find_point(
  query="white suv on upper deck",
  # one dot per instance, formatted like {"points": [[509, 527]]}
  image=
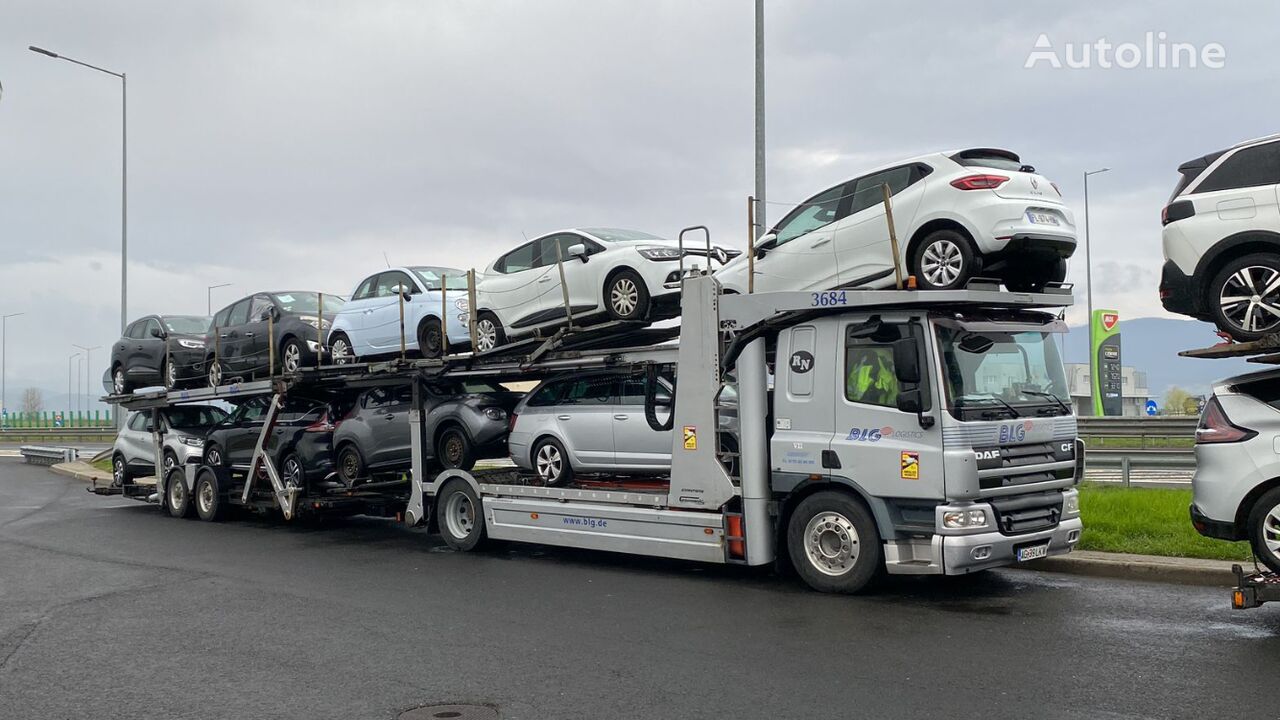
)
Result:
{"points": [[1222, 240], [957, 215]]}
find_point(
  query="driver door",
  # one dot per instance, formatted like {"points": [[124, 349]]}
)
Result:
{"points": [[803, 256]]}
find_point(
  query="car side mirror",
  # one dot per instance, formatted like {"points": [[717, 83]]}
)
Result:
{"points": [[157, 333], [767, 242], [578, 250], [403, 291], [906, 360]]}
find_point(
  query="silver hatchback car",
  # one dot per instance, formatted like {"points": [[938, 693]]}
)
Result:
{"points": [[133, 453], [1237, 481]]}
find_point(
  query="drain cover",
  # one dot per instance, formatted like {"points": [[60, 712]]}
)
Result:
{"points": [[450, 712]]}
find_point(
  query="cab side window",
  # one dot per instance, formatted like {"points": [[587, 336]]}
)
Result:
{"points": [[870, 377]]}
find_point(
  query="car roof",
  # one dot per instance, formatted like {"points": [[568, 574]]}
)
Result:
{"points": [[1268, 374], [936, 156]]}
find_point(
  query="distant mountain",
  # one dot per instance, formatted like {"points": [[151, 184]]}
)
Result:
{"points": [[1152, 344]]}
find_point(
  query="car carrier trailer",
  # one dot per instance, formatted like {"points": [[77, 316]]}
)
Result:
{"points": [[843, 488]]}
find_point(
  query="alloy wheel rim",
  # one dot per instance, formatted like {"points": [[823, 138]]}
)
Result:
{"points": [[215, 374], [460, 515], [1271, 531], [117, 470], [624, 296], [170, 375], [205, 498], [831, 543], [1250, 299], [486, 335], [340, 352], [549, 463], [169, 463], [942, 262], [292, 357], [118, 381], [292, 473], [213, 458], [176, 490]]}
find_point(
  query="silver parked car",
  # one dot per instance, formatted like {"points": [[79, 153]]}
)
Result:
{"points": [[595, 423], [1237, 481], [133, 454]]}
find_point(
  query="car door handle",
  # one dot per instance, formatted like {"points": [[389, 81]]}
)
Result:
{"points": [[389, 416], [248, 334], [223, 336], [621, 417], [563, 417], [821, 242], [545, 278]]}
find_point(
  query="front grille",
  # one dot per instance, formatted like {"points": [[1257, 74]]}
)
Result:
{"points": [[1021, 461], [1020, 514]]}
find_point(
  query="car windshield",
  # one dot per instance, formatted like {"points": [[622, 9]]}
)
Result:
{"points": [[190, 417], [305, 303], [187, 324], [1001, 374], [620, 235], [430, 277], [464, 386]]}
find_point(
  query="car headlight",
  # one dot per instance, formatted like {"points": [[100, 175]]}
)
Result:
{"points": [[315, 322], [494, 413], [659, 253], [191, 344], [190, 441], [462, 304], [964, 519]]}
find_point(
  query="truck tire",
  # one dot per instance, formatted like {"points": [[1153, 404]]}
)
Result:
{"points": [[460, 517], [177, 496], [833, 543], [1264, 529], [208, 496]]}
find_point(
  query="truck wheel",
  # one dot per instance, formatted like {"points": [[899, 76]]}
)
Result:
{"points": [[177, 497], [1242, 298], [833, 543], [460, 517], [944, 260], [1264, 529], [209, 502], [453, 450]]}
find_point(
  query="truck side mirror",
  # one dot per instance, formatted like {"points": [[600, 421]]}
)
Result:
{"points": [[909, 401], [906, 360]]}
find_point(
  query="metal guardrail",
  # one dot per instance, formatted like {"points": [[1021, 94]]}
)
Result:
{"points": [[44, 455], [1129, 459], [1145, 427], [106, 432]]}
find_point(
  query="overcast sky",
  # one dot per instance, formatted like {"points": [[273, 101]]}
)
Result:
{"points": [[288, 145]]}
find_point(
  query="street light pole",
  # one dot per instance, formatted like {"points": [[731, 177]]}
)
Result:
{"points": [[209, 297], [760, 194], [1088, 283], [69, 359], [4, 356], [88, 368]]}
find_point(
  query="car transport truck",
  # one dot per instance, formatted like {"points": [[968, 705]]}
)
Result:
{"points": [[879, 431]]}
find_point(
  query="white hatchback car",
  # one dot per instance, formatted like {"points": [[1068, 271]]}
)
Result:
{"points": [[957, 215], [369, 324], [609, 274], [1222, 240]]}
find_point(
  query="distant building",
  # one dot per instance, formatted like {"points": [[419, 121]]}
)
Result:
{"points": [[1135, 394]]}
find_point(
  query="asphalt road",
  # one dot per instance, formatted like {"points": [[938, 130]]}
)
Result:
{"points": [[109, 609]]}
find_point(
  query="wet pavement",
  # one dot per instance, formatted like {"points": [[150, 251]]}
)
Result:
{"points": [[110, 609]]}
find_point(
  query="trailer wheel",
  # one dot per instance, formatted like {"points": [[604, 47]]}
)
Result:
{"points": [[460, 517], [1264, 529], [209, 502], [177, 497], [833, 543]]}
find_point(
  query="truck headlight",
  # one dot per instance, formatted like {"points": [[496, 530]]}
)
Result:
{"points": [[191, 344], [659, 253], [1070, 504], [189, 441], [497, 414], [968, 519]]}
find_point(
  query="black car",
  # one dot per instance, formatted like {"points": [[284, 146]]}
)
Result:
{"points": [[299, 444], [240, 343], [163, 350], [464, 421]]}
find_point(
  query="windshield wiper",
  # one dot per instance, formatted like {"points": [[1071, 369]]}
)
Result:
{"points": [[1041, 393], [993, 399]]}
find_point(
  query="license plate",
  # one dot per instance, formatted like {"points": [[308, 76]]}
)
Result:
{"points": [[1034, 552], [1037, 218]]}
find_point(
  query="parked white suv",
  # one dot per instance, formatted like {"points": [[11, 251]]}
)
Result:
{"points": [[133, 453], [1236, 488], [1222, 240], [610, 274], [957, 215]]}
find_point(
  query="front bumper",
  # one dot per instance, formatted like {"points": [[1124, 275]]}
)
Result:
{"points": [[960, 552], [1177, 291]]}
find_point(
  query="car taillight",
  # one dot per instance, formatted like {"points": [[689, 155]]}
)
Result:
{"points": [[979, 182], [1173, 212], [320, 426], [1215, 427]]}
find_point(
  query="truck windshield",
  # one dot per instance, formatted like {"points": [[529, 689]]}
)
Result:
{"points": [[993, 375]]}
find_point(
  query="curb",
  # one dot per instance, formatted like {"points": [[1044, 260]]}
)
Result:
{"points": [[1152, 568], [82, 471]]}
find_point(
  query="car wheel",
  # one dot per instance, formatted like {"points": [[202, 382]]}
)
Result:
{"points": [[833, 543], [213, 456], [119, 383], [215, 373], [291, 356], [626, 296], [119, 470], [1244, 297], [292, 474], [1264, 529], [430, 339], [350, 465], [170, 375], [460, 517], [489, 332], [453, 449], [209, 502], [340, 350], [551, 462], [944, 260], [177, 497], [170, 461]]}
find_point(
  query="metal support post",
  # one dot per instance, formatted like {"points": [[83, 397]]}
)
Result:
{"points": [[893, 237], [286, 497], [444, 315], [564, 288], [319, 329], [751, 245], [471, 306], [753, 444], [416, 510], [400, 299]]}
